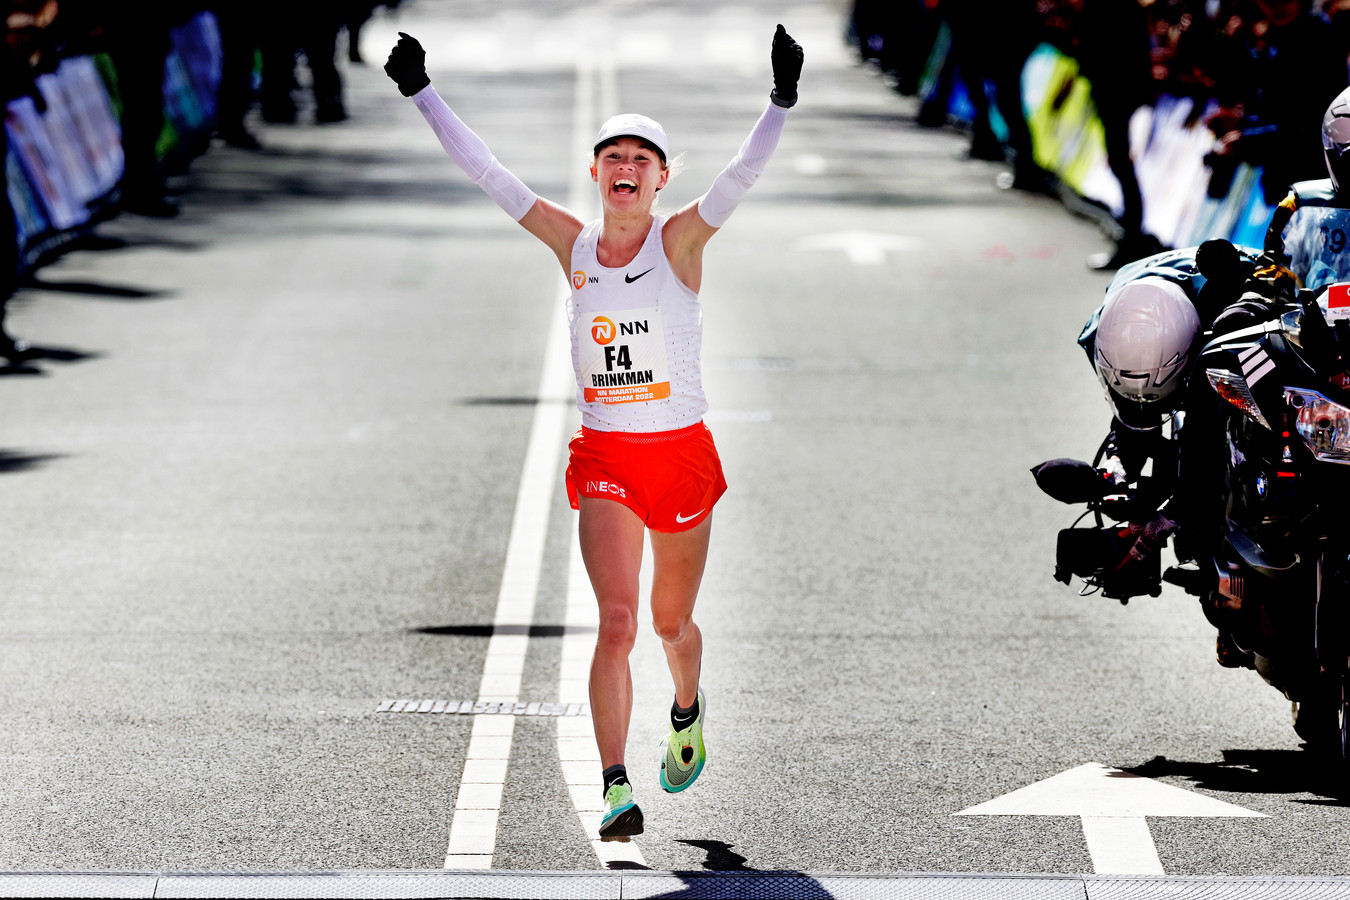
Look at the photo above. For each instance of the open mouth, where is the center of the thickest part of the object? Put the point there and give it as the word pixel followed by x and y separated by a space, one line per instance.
pixel 625 186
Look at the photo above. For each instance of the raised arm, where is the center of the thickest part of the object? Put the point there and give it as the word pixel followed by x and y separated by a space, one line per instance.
pixel 690 228
pixel 552 224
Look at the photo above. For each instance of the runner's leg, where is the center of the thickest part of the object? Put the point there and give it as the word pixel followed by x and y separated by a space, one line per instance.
pixel 611 547
pixel 678 560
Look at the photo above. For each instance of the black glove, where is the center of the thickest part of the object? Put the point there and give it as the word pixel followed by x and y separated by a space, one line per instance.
pixel 407 65
pixel 786 57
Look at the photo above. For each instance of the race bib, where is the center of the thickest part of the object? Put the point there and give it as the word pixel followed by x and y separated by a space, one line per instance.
pixel 1338 302
pixel 622 356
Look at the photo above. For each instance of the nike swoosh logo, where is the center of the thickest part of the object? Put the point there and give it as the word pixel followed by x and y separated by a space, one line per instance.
pixel 629 279
pixel 679 518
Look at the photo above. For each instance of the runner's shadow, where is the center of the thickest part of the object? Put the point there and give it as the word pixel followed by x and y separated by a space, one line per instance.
pixel 721 879
pixel 720 858
pixel 1257 772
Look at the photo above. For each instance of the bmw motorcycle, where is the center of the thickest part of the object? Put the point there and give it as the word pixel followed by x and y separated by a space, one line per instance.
pixel 1252 479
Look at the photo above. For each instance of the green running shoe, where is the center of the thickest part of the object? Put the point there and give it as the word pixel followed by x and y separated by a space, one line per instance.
pixel 623 817
pixel 683 754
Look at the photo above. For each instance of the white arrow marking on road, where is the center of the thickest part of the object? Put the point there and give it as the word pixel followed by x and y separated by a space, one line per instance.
pixel 1112 805
pixel 864 248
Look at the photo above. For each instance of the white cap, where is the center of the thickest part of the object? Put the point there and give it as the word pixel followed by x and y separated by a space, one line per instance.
pixel 634 125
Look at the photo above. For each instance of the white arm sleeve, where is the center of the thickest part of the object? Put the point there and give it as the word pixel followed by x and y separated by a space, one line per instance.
pixel 731 185
pixel 473 156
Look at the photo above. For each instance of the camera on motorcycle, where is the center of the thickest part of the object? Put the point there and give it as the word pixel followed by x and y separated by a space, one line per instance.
pixel 1095 554
pixel 1073 480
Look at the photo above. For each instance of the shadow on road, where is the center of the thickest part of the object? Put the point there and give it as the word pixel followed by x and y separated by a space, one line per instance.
pixel 1257 772
pixel 65 354
pixel 626 865
pixel 721 858
pixel 53 354
pixel 11 462
pixel 500 401
pixel 312 173
pixel 7 369
pixel 705 885
pixel 720 879
pixel 533 631
pixel 130 239
pixel 95 289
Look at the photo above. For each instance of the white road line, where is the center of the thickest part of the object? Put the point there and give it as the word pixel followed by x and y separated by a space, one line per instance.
pixel 578 756
pixel 473 828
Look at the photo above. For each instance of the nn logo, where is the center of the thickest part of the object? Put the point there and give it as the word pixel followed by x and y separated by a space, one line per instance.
pixel 603 329
pixel 580 280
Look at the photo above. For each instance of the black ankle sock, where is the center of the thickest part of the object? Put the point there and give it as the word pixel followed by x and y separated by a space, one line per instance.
pixel 680 717
pixel 614 775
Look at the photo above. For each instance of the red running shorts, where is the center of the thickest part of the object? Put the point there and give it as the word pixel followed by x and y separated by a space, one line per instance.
pixel 670 479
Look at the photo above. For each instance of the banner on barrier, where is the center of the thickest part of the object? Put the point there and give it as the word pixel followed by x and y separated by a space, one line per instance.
pixel 64 162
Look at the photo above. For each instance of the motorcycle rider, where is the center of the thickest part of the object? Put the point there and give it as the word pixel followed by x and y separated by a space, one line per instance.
pixel 1304 250
pixel 1141 343
pixel 1143 340
pixel 1307 251
pixel 1156 315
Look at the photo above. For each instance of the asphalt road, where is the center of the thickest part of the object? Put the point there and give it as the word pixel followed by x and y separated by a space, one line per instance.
pixel 266 482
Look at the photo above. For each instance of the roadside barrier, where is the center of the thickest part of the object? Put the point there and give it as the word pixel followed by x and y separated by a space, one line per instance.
pixel 64 163
pixel 1169 142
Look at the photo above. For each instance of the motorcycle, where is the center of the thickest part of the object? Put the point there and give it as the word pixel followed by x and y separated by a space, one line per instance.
pixel 1253 471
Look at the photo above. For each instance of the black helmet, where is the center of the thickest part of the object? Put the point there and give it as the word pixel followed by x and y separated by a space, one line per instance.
pixel 1336 140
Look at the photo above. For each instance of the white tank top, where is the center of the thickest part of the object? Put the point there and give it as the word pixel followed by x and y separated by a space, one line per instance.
pixel 637 333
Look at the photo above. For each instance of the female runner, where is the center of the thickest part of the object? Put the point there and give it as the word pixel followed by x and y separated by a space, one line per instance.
pixel 643 460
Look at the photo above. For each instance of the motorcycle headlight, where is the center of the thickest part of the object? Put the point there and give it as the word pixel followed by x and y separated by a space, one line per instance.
pixel 1323 424
pixel 1233 388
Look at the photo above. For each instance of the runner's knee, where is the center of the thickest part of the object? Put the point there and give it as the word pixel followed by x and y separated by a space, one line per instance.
pixel 618 630
pixel 672 628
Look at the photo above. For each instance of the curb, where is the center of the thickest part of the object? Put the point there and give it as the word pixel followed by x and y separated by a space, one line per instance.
pixel 369 884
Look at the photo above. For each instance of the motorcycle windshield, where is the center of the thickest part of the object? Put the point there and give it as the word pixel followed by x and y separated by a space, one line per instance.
pixel 1317 241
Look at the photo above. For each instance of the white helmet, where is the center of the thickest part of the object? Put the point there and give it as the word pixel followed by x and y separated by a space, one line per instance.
pixel 1336 140
pixel 1143 348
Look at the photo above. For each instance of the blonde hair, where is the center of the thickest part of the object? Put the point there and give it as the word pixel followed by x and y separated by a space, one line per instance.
pixel 674 167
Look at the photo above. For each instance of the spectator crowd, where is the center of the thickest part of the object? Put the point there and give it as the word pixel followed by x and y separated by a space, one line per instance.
pixel 1260 72
pixel 259 44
